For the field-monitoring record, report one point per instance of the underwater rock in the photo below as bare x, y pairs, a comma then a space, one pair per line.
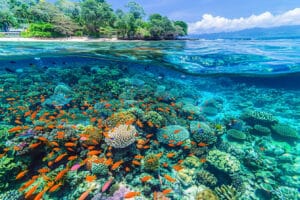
121, 136
173, 133
285, 131
223, 161
206, 178
236, 134
254, 117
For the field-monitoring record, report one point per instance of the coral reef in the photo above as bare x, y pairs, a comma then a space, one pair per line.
121, 136
223, 161
173, 133
236, 134
285, 131
206, 178
151, 162
254, 117
227, 192
206, 194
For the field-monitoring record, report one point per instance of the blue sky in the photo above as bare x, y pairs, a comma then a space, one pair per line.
209, 16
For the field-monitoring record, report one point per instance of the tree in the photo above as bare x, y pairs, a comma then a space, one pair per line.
136, 10
96, 14
183, 25
69, 8
64, 26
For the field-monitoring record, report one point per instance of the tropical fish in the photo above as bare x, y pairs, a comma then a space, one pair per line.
145, 178
84, 195
34, 145
61, 174
72, 158
70, 144
31, 191
15, 129
55, 187
107, 184
167, 191
89, 178
43, 170
116, 165
59, 158
169, 178
75, 167
132, 194
21, 174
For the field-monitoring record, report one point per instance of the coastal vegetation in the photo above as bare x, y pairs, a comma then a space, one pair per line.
93, 18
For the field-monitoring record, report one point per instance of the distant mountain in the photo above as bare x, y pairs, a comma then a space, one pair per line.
283, 32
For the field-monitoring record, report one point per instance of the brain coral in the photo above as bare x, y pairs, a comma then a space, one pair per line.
285, 131
261, 118
223, 161
121, 136
236, 134
174, 133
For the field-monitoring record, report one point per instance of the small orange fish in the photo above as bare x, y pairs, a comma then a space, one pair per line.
59, 158
89, 178
138, 157
165, 165
149, 135
169, 178
135, 162
131, 194
61, 174
203, 160
84, 195
70, 144
145, 178
15, 129
72, 157
54, 144
55, 187
34, 145
31, 191
42, 139
177, 167
43, 170
150, 123
202, 144
139, 123
21, 174
26, 185
94, 152
167, 191
116, 165
171, 155
177, 131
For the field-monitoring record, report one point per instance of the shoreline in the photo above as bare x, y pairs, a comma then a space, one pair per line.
70, 39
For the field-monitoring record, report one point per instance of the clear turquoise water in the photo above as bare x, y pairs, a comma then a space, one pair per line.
225, 85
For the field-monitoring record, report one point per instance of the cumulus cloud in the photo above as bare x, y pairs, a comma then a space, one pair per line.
215, 24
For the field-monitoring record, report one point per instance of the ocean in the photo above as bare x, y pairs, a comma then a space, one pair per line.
182, 120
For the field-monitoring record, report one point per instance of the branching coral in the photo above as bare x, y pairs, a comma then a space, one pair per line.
227, 192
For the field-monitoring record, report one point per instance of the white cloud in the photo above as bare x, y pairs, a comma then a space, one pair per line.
215, 24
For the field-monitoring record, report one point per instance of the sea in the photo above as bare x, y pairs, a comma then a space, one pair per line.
201, 118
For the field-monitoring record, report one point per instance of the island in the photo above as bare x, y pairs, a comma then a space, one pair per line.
87, 18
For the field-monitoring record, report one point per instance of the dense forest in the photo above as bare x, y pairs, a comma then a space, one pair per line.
93, 18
